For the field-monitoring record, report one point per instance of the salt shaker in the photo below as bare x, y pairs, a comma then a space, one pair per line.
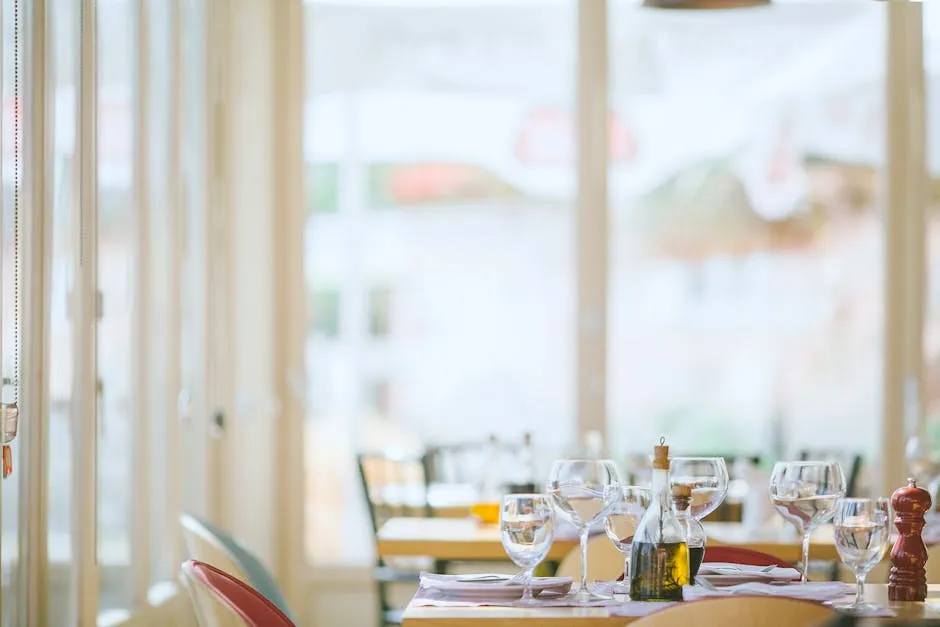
908, 578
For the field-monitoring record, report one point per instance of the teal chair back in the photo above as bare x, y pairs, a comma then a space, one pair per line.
251, 568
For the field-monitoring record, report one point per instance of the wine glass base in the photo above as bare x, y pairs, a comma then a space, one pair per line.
588, 595
859, 609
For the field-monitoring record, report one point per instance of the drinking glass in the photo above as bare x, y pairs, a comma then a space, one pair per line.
862, 528
805, 494
628, 504
708, 477
578, 488
527, 528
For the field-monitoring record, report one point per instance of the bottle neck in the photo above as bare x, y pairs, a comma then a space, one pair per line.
682, 510
660, 482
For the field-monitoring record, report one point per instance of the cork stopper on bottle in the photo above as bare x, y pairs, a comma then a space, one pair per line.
682, 495
661, 455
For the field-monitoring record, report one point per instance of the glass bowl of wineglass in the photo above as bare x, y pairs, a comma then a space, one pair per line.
861, 528
628, 504
708, 478
805, 494
527, 529
578, 488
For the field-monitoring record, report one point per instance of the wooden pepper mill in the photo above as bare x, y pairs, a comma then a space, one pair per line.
908, 578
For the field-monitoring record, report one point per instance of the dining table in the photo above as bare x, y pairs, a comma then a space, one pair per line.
488, 616
469, 539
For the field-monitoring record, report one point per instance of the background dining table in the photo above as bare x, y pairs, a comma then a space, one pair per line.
416, 616
468, 539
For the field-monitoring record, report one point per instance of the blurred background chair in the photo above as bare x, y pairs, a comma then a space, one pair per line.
396, 486
605, 562
223, 600
741, 611
851, 465
213, 545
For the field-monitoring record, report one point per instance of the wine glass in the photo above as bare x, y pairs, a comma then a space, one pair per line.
805, 494
708, 477
578, 488
628, 504
527, 529
862, 529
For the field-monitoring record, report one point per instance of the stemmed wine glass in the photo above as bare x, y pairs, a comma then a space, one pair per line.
708, 477
862, 529
578, 488
527, 529
805, 494
628, 504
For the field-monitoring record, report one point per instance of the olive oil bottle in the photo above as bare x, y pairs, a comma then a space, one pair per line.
659, 564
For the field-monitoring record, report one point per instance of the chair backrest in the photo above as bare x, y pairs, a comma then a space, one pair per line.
222, 600
741, 611
394, 486
213, 545
605, 562
741, 555
851, 466
463, 462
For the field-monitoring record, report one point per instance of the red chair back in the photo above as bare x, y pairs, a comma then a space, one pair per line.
249, 604
741, 555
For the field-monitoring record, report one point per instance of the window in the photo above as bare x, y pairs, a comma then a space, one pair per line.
116, 282
451, 244
746, 246
61, 353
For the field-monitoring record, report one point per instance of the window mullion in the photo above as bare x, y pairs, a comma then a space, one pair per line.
140, 345
34, 279
903, 244
290, 292
172, 463
85, 306
592, 217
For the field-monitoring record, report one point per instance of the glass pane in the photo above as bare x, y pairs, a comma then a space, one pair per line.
439, 244
162, 405
745, 290
9, 549
116, 268
64, 221
193, 280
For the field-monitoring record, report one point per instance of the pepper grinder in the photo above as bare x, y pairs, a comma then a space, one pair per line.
908, 578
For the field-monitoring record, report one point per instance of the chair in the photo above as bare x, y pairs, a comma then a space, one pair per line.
222, 600
741, 611
605, 562
213, 545
851, 466
395, 486
741, 555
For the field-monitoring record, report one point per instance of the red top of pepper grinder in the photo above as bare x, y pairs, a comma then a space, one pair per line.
908, 579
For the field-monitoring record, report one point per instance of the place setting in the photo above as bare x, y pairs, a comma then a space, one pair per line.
667, 558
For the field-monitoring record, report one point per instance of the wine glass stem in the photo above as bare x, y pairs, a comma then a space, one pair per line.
527, 585
584, 547
860, 587
806, 535
626, 568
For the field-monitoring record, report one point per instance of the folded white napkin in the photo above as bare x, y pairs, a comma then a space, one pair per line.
748, 570
812, 591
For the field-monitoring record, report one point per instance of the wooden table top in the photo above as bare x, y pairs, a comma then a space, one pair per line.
451, 539
467, 539
600, 617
